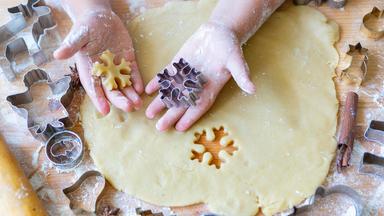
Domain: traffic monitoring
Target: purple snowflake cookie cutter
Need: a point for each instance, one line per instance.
(181, 88)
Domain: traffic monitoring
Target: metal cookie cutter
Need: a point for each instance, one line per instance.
(64, 149)
(331, 3)
(182, 87)
(142, 212)
(84, 193)
(375, 132)
(363, 54)
(41, 32)
(323, 192)
(60, 88)
(370, 31)
(372, 164)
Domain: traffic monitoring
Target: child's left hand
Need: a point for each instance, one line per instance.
(90, 35)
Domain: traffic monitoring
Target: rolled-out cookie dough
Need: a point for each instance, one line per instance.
(284, 133)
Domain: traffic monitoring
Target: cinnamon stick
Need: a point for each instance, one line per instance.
(347, 131)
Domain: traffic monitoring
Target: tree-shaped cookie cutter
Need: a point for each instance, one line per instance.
(42, 31)
(369, 31)
(180, 88)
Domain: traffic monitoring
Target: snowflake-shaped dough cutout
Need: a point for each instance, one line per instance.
(113, 76)
(213, 148)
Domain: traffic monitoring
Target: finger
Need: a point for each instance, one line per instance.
(92, 86)
(119, 100)
(154, 107)
(190, 117)
(133, 96)
(137, 82)
(240, 71)
(152, 86)
(204, 103)
(170, 118)
(77, 38)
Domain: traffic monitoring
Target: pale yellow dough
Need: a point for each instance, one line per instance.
(284, 133)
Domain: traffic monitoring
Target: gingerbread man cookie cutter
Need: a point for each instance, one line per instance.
(43, 36)
(180, 88)
(374, 32)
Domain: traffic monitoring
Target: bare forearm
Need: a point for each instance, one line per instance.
(244, 17)
(78, 8)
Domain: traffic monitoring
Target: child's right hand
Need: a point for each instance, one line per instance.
(90, 35)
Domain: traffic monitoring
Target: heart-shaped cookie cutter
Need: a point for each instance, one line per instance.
(43, 35)
(64, 149)
(372, 32)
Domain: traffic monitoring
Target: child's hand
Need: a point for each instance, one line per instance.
(90, 35)
(216, 52)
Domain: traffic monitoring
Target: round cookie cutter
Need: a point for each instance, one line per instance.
(65, 149)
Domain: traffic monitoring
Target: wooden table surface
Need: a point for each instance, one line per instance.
(49, 182)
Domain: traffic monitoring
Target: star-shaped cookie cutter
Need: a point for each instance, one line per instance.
(180, 88)
(42, 34)
(369, 31)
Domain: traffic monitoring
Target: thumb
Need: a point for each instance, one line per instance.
(77, 38)
(240, 72)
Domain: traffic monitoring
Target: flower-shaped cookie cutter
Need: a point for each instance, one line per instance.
(372, 31)
(60, 88)
(42, 31)
(180, 88)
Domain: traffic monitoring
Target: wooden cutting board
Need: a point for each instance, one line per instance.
(50, 182)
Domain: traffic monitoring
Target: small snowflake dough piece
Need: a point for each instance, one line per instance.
(113, 76)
